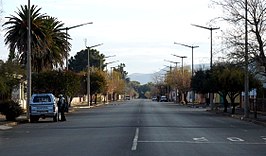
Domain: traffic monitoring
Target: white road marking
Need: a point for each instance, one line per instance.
(135, 140)
(200, 142)
(200, 139)
(263, 138)
(235, 139)
(3, 127)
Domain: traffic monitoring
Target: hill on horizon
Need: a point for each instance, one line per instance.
(145, 78)
(142, 78)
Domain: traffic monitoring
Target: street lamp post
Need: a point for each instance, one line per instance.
(172, 62)
(29, 62)
(192, 68)
(246, 106)
(111, 63)
(182, 57)
(68, 28)
(170, 67)
(176, 68)
(192, 47)
(101, 60)
(88, 73)
(211, 29)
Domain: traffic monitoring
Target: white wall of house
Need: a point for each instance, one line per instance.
(19, 95)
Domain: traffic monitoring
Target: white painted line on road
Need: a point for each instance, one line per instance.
(200, 139)
(201, 142)
(235, 139)
(263, 138)
(135, 140)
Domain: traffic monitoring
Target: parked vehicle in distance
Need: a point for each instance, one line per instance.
(163, 99)
(154, 98)
(42, 106)
(127, 97)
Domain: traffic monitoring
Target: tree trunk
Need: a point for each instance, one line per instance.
(185, 99)
(225, 104)
(234, 106)
(90, 99)
(95, 99)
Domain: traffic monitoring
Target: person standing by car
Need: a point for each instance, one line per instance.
(62, 107)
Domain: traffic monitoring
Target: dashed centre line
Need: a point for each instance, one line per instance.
(135, 140)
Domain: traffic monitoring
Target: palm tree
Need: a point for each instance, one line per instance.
(49, 46)
(56, 45)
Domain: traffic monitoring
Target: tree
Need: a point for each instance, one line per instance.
(123, 73)
(234, 36)
(80, 61)
(180, 80)
(57, 82)
(229, 80)
(132, 88)
(49, 46)
(116, 84)
(98, 83)
(56, 47)
(10, 76)
(201, 82)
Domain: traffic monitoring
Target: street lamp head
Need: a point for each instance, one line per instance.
(203, 27)
(179, 56)
(94, 46)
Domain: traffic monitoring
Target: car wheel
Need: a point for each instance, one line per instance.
(34, 119)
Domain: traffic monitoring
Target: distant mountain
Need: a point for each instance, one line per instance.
(145, 78)
(142, 78)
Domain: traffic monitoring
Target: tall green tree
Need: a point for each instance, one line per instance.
(121, 69)
(80, 61)
(98, 83)
(57, 82)
(49, 44)
(55, 47)
(226, 79)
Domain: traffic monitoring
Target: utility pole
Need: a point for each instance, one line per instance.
(211, 29)
(68, 28)
(101, 60)
(88, 74)
(172, 62)
(246, 107)
(192, 68)
(182, 57)
(29, 62)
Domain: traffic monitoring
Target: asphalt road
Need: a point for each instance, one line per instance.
(136, 127)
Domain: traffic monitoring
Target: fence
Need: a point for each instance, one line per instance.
(260, 104)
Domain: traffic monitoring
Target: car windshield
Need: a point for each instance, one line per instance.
(44, 98)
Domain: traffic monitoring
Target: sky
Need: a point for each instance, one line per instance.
(140, 33)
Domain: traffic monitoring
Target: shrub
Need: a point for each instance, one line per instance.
(11, 110)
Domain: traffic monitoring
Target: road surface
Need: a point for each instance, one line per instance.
(136, 128)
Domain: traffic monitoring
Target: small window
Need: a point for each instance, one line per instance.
(38, 99)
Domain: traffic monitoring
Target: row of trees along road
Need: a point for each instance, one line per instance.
(49, 49)
(227, 78)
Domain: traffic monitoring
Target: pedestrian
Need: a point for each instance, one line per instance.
(62, 107)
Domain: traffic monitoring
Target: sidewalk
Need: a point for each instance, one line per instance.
(4, 125)
(239, 113)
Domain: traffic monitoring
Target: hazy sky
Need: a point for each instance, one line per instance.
(141, 33)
